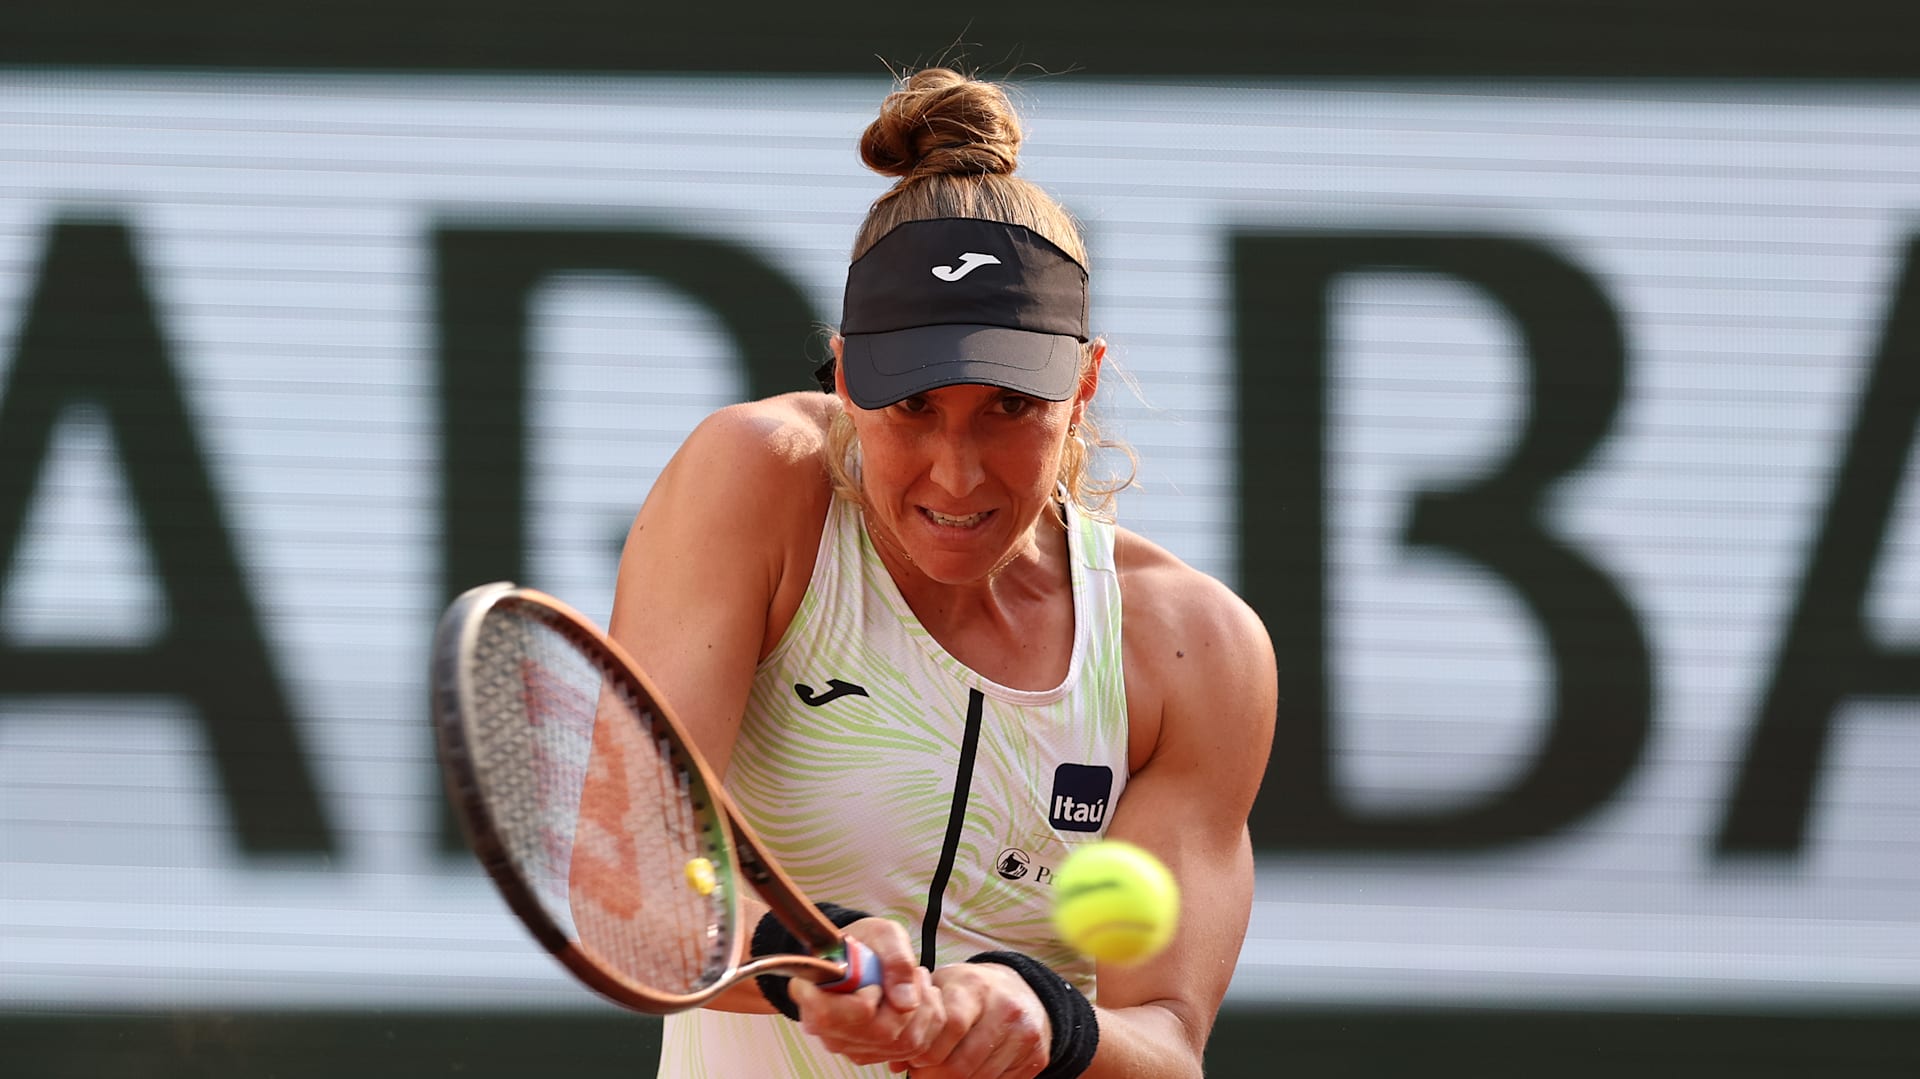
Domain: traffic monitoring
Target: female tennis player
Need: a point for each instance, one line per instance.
(896, 619)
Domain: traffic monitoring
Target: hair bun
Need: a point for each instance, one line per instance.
(940, 122)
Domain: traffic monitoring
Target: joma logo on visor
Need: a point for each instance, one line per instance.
(969, 262)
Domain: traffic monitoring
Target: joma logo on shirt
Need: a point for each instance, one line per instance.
(1080, 793)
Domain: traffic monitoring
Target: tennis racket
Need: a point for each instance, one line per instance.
(597, 819)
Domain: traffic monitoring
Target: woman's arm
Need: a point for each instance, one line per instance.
(1209, 662)
(703, 578)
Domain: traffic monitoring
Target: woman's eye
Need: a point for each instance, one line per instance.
(913, 404)
(1013, 406)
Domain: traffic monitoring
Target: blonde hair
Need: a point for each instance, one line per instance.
(954, 142)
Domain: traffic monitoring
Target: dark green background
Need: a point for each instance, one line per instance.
(1606, 38)
(1298, 1045)
(1480, 41)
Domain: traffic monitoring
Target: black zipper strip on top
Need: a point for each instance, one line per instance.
(956, 823)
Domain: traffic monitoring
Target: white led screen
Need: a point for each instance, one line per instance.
(1749, 241)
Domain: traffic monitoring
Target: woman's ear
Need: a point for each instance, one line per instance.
(1089, 378)
(840, 370)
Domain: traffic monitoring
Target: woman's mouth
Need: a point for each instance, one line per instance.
(946, 520)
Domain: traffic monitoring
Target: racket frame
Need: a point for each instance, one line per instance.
(836, 961)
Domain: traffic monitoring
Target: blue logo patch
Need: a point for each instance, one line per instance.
(1080, 793)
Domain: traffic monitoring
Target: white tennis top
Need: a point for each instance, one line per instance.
(885, 775)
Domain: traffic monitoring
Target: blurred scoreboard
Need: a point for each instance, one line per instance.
(1562, 433)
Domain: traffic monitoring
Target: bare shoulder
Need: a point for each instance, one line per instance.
(748, 488)
(1200, 664)
(787, 430)
(1177, 612)
(762, 456)
(720, 551)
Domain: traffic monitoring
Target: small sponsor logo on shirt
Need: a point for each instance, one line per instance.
(1080, 794)
(836, 689)
(1013, 864)
(1016, 863)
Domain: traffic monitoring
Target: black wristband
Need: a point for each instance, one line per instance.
(1076, 1029)
(772, 938)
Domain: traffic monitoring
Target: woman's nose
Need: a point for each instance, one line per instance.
(956, 464)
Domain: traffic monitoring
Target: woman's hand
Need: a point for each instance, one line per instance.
(993, 1027)
(891, 1021)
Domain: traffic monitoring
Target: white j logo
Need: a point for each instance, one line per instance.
(969, 262)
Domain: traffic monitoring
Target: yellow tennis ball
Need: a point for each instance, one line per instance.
(700, 876)
(1115, 902)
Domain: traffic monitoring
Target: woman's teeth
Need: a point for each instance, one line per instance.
(955, 522)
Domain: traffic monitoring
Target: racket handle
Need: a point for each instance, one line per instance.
(863, 969)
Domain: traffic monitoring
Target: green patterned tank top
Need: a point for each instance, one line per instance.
(885, 775)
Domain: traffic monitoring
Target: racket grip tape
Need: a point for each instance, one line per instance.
(863, 969)
(772, 938)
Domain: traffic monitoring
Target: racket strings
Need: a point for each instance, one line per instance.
(599, 809)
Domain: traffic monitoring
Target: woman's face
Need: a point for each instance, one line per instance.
(955, 477)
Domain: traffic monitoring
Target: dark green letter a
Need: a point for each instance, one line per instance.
(90, 336)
